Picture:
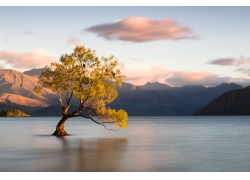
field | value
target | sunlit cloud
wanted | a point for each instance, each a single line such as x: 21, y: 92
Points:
x: 28, y: 33
x: 73, y: 40
x: 223, y: 61
x: 35, y: 59
x: 141, y: 73
x: 139, y: 29
x: 181, y: 78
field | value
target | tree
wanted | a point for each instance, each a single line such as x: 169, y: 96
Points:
x: 89, y: 79
x: 16, y: 112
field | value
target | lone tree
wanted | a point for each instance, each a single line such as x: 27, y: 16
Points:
x: 89, y: 79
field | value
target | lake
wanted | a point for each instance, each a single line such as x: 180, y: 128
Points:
x: 148, y: 144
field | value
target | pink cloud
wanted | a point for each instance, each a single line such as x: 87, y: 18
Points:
x: 73, y: 40
x: 138, y: 29
x: 181, y: 78
x: 35, y: 59
x: 141, y: 73
x: 28, y: 33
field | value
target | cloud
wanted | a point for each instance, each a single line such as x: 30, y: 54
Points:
x: 35, y: 59
x: 224, y: 61
x: 181, y: 78
x: 28, y: 33
x: 139, y: 29
x: 243, y: 61
x: 242, y: 64
x: 73, y: 40
x: 140, y: 73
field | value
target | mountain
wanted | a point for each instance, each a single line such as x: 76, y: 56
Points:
x: 152, y: 103
x: 55, y: 110
x: 34, y: 72
x: 151, y: 99
x: 198, y: 96
x: 16, y: 89
x: 235, y: 102
x: 155, y: 86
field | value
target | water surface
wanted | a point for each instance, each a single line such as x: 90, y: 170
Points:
x: 148, y: 144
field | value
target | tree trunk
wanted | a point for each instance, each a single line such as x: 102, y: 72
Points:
x: 60, y: 127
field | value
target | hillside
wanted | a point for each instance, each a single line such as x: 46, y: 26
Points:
x: 151, y: 99
x: 196, y: 95
x: 235, y: 102
x: 16, y: 89
x: 152, y: 103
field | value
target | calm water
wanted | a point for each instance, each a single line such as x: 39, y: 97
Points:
x: 153, y: 144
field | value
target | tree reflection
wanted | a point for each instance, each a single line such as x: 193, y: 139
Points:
x: 107, y: 154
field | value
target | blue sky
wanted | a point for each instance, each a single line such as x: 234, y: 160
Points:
x: 172, y: 45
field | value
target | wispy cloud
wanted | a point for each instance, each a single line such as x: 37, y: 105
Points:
x: 29, y: 33
x: 139, y: 29
x: 35, y: 59
x: 243, y: 61
x: 242, y: 64
x: 224, y: 61
x: 73, y: 40
x: 141, y: 73
x: 181, y: 78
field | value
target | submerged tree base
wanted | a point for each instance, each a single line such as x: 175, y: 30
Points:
x: 60, y: 129
x: 61, y: 132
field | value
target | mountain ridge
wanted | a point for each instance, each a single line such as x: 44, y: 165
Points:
x: 16, y: 90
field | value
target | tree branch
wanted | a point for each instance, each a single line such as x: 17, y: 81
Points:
x: 90, y: 110
x: 69, y: 98
x: 99, y: 123
x: 60, y: 99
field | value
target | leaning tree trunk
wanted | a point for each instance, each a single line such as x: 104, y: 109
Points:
x: 60, y: 127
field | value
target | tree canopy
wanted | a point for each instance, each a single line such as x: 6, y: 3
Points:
x: 89, y: 79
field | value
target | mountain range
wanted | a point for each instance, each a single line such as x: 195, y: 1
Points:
x: 234, y: 102
x: 151, y: 99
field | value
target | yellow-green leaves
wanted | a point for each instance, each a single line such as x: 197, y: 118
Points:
x: 38, y: 90
x: 88, y: 78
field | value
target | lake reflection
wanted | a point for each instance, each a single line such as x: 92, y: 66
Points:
x: 149, y: 144
x: 71, y: 155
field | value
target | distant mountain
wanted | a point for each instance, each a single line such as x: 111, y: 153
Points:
x: 55, y: 110
x: 34, y: 72
x: 196, y: 95
x: 235, y: 102
x: 155, y: 86
x: 152, y: 103
x: 151, y: 99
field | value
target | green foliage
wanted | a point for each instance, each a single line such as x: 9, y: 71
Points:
x: 90, y: 79
x: 15, y: 112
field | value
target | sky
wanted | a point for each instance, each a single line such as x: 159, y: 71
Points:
x: 175, y: 45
